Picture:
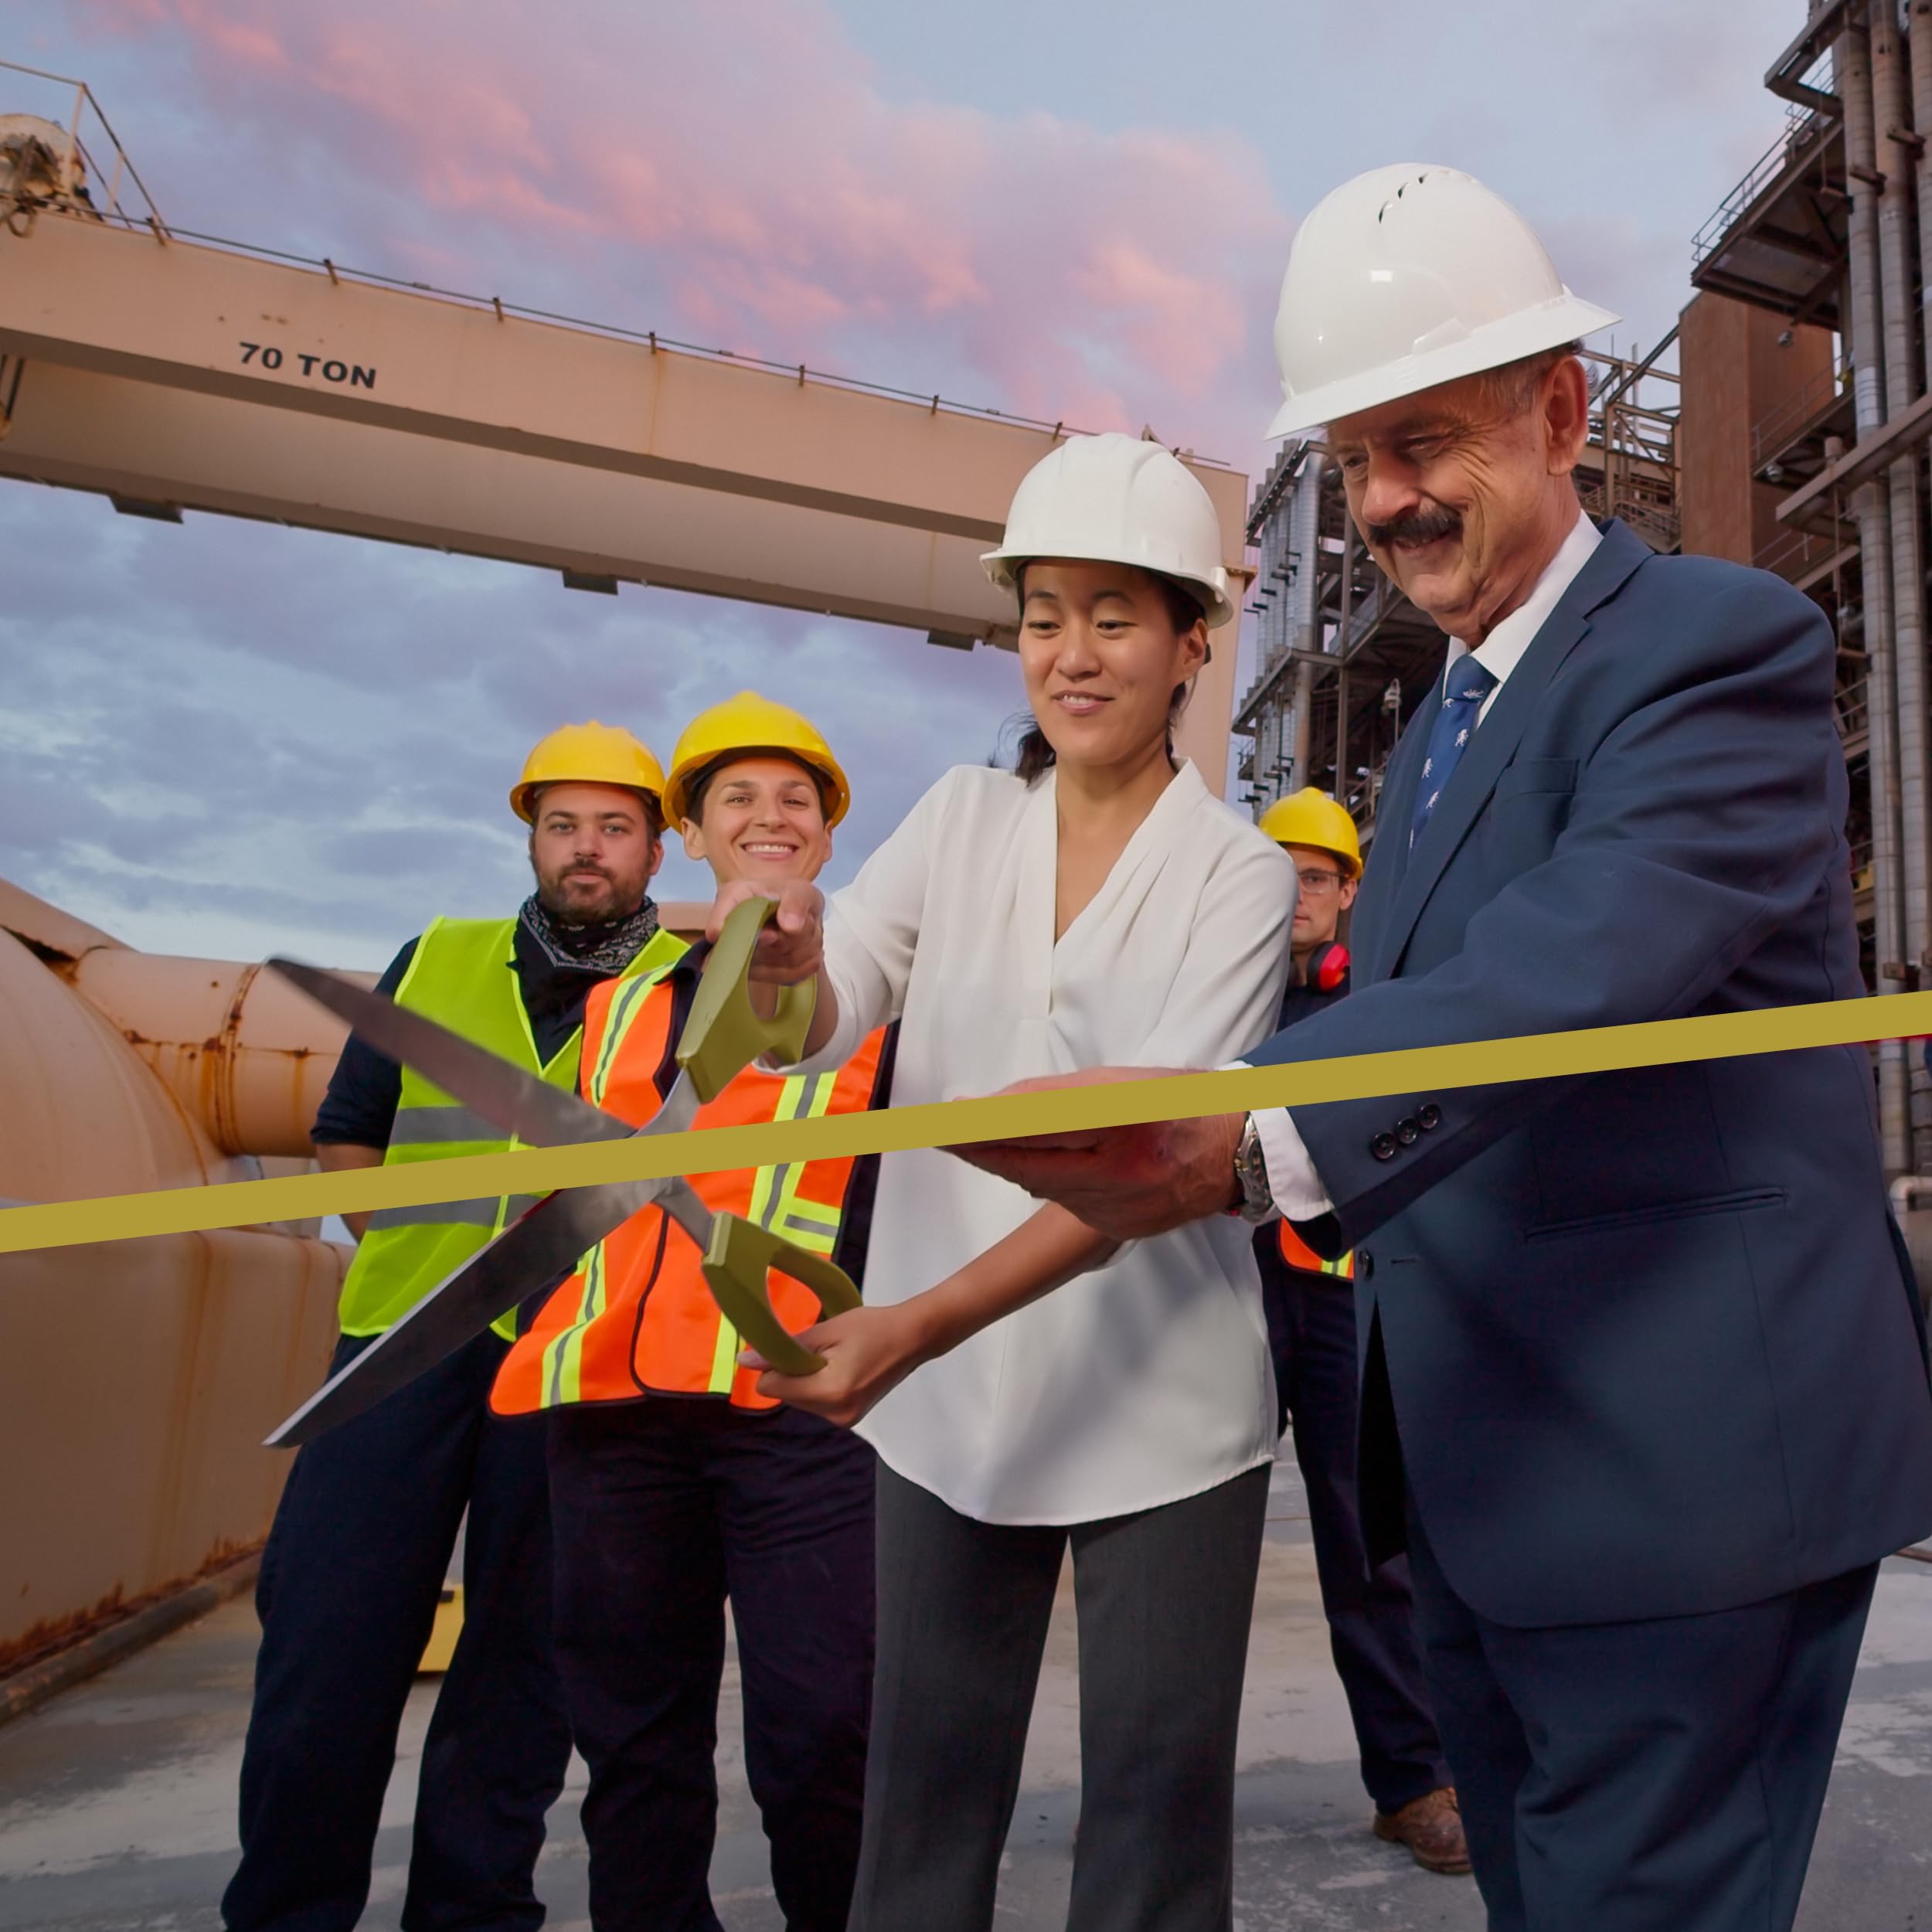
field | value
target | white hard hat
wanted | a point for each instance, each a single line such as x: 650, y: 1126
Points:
x: 1407, y: 277
x: 1117, y: 499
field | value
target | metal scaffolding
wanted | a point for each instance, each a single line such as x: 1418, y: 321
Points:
x: 1830, y: 228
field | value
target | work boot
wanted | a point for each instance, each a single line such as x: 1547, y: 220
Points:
x: 1431, y: 1827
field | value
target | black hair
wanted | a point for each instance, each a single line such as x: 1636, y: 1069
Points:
x: 1035, y: 757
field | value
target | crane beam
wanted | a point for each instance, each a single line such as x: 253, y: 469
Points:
x: 170, y: 374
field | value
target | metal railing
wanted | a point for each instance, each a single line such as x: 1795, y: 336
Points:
x: 1791, y: 553
x: 110, y: 168
x: 117, y: 212
x: 1851, y: 705
x: 1778, y: 425
x: 1802, y: 127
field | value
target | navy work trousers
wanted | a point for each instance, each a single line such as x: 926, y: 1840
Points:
x: 664, y: 1510
x: 1664, y: 1776
x: 1371, y: 1634
x: 348, y: 1592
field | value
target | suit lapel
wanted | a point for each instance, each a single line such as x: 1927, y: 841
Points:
x: 1496, y: 739
x: 1388, y: 856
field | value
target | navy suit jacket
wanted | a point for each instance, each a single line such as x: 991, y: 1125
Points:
x: 1650, y: 1339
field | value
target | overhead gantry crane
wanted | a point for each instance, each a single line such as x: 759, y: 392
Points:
x: 172, y: 373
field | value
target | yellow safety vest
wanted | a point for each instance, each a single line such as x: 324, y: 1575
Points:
x: 464, y: 976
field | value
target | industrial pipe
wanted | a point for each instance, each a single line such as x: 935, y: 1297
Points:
x: 245, y: 1054
x: 1871, y: 504
x: 1919, y: 48
x: 1898, y: 263
x: 1306, y: 536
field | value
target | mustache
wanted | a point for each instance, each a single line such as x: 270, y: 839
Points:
x: 1418, y: 526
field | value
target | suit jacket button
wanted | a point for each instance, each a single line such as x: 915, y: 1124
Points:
x: 1431, y: 1116
x: 1383, y: 1147
x: 1408, y: 1132
x: 1364, y: 1264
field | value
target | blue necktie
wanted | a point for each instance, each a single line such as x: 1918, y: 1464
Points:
x: 1468, y: 684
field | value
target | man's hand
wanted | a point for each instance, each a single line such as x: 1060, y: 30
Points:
x: 1126, y: 1183
x: 869, y: 1351
x: 792, y: 948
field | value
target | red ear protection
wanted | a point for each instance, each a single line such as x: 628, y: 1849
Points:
x: 1327, y: 966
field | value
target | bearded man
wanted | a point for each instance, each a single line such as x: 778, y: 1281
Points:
x: 355, y: 1564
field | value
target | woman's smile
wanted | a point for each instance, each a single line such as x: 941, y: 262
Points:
x: 1080, y: 704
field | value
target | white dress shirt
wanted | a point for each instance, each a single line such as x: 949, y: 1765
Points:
x: 1147, y: 1380
x: 1292, y: 1180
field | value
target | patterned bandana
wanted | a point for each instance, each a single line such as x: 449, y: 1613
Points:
x: 605, y: 948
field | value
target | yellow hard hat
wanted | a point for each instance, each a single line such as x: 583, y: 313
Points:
x: 586, y: 754
x: 748, y: 723
x: 1311, y: 818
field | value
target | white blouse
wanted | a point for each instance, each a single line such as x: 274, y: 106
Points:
x: 1145, y: 1381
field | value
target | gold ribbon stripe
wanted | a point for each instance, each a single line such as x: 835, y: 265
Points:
x: 1607, y: 1049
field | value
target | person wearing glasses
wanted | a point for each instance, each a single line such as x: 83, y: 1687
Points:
x: 1310, y: 1305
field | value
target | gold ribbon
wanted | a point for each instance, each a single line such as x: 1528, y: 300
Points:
x: 1607, y: 1049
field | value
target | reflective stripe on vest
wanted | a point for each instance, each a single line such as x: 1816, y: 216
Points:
x: 1300, y: 1257
x: 636, y: 1317
x: 463, y: 974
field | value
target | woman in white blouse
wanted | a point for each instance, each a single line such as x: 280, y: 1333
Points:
x: 1100, y: 906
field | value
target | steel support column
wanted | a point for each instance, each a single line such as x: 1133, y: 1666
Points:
x: 1873, y: 508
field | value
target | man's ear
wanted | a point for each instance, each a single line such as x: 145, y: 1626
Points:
x: 1565, y: 404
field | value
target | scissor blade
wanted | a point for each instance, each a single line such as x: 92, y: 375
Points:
x: 513, y: 1101
x: 546, y: 1243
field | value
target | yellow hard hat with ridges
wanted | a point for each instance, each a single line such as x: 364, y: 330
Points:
x: 586, y: 754
x: 1311, y: 818
x: 750, y: 723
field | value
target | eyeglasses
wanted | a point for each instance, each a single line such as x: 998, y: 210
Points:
x: 1320, y: 882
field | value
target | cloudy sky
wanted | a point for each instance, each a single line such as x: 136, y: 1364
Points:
x: 227, y: 739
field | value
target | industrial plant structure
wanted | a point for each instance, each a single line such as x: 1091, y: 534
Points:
x: 1783, y: 423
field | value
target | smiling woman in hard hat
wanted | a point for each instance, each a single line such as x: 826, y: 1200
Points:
x: 666, y: 1507
x: 362, y: 1538
x: 1018, y: 923
x: 1645, y: 1379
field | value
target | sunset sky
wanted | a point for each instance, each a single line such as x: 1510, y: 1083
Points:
x: 227, y: 738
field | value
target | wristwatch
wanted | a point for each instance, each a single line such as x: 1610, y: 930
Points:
x: 1257, y: 1204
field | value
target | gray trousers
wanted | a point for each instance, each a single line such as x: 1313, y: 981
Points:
x: 1164, y: 1598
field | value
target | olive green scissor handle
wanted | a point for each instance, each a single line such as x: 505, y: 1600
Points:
x: 723, y: 1035
x: 734, y: 1262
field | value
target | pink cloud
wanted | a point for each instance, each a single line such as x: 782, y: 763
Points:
x: 734, y: 171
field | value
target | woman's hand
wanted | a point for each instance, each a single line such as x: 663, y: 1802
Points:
x: 1126, y: 1181
x: 792, y: 948
x: 869, y: 1351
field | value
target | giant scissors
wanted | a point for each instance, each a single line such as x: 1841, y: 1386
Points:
x: 722, y: 1035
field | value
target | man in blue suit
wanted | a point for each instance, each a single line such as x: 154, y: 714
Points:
x: 1644, y: 1390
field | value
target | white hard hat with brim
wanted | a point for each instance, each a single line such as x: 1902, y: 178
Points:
x: 1117, y: 499
x: 1405, y: 277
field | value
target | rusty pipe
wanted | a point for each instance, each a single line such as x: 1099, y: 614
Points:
x: 245, y: 1054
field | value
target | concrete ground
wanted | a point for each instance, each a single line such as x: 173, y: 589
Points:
x: 117, y: 1800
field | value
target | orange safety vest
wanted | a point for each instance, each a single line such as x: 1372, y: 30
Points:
x: 1300, y: 1257
x: 636, y: 1319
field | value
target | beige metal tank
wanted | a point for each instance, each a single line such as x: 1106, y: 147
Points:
x: 136, y: 1379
